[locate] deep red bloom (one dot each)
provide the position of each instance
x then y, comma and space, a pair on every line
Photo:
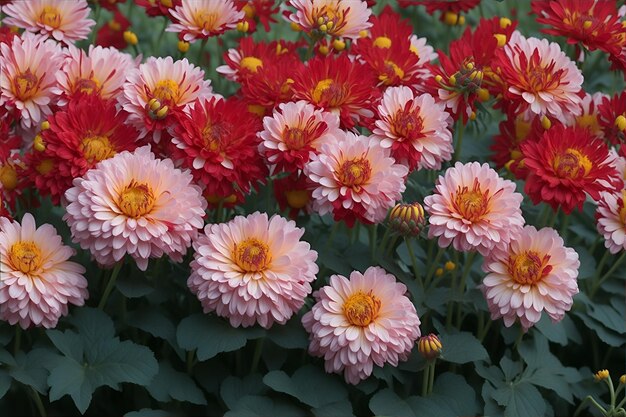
7, 35
110, 4
565, 165
338, 84
293, 193
258, 11
217, 140
608, 113
158, 7
88, 131
432, 6
112, 34
390, 25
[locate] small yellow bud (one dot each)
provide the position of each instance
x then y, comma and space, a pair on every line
323, 49
483, 94
162, 112
8, 177
363, 34
546, 123
501, 39
622, 379
130, 38
183, 46
620, 122
38, 144
330, 24
45, 125
295, 27
450, 18
115, 25
601, 375
320, 21
323, 28
154, 104
587, 24
243, 26
452, 79
167, 3
449, 266
461, 20
438, 78
473, 116
469, 66
505, 22
339, 45
439, 272
429, 346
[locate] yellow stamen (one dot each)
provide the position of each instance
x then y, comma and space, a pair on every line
361, 309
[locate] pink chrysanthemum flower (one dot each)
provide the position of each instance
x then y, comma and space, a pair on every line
355, 178
589, 116
414, 128
27, 76
175, 85
253, 270
38, 281
536, 272
294, 133
135, 204
102, 71
539, 78
340, 18
473, 208
66, 21
199, 19
611, 217
361, 322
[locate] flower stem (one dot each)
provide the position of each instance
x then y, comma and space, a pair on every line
416, 271
38, 403
191, 356
431, 379
201, 50
258, 349
598, 279
425, 379
155, 49
18, 339
373, 239
383, 242
110, 285
459, 141
589, 399
433, 266
96, 17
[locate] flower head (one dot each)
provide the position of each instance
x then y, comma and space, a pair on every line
360, 322
339, 18
407, 219
253, 270
473, 208
65, 21
199, 19
430, 346
158, 7
134, 204
38, 280
611, 218
293, 193
601, 375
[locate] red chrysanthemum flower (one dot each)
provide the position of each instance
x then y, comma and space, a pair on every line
258, 11
88, 131
217, 140
612, 118
454, 6
565, 165
339, 85
158, 7
7, 34
110, 4
293, 193
12, 179
593, 24
112, 33
388, 27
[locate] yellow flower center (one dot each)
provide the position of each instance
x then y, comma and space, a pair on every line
87, 85
25, 86
361, 309
354, 172
297, 198
166, 91
97, 148
528, 268
214, 135
382, 42
25, 256
50, 16
252, 255
590, 121
45, 167
8, 177
136, 200
251, 63
206, 20
391, 70
472, 204
571, 164
330, 92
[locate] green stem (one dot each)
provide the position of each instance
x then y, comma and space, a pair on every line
373, 239
485, 329
425, 379
519, 339
110, 285
258, 349
416, 272
96, 17
18, 339
200, 57
459, 141
191, 358
38, 403
542, 220
383, 242
609, 382
155, 48
391, 245
597, 280
565, 226
431, 380
590, 399
433, 266
333, 232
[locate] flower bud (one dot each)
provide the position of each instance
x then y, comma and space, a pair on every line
407, 219
505, 22
429, 346
450, 266
500, 38
439, 272
620, 122
622, 379
38, 144
451, 18
130, 38
601, 375
546, 123
183, 46
45, 125
339, 45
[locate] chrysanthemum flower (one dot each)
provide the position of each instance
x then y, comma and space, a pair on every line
454, 6
253, 270
565, 165
611, 218
38, 280
199, 19
293, 194
338, 85
173, 85
355, 178
589, 117
137, 205
65, 21
217, 140
158, 7
473, 208
612, 118
535, 273
112, 34
88, 131
360, 322
102, 71
28, 76
339, 18
538, 77
292, 134
415, 128
258, 11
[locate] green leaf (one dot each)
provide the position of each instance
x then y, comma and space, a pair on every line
338, 409
69, 343
134, 286
69, 377
291, 335
555, 332
308, 384
608, 316
5, 382
153, 321
148, 412
211, 335
32, 368
521, 400
258, 406
510, 368
233, 389
452, 396
556, 382
6, 359
608, 336
492, 374
492, 409
462, 347
170, 384
387, 403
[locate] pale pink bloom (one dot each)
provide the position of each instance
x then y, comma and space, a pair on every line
174, 84
294, 133
253, 270
28, 76
135, 204
102, 71
66, 21
473, 208
548, 86
426, 54
619, 162
589, 113
339, 18
361, 322
535, 273
355, 178
38, 280
414, 128
611, 217
199, 19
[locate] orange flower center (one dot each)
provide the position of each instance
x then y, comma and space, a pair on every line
166, 91
301, 136
329, 92
8, 177
589, 121
471, 204
407, 124
25, 256
50, 16
252, 255
45, 167
97, 148
528, 268
206, 20
213, 136
297, 198
87, 85
251, 63
329, 18
571, 164
540, 77
25, 85
361, 309
392, 71
354, 172
136, 200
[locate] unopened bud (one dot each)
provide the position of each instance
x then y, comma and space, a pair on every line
130, 38
429, 346
439, 272
339, 45
620, 122
295, 27
407, 219
45, 125
183, 46
243, 26
501, 39
450, 18
601, 375
546, 123
154, 104
505, 22
162, 112
483, 94
38, 144
450, 266
323, 49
